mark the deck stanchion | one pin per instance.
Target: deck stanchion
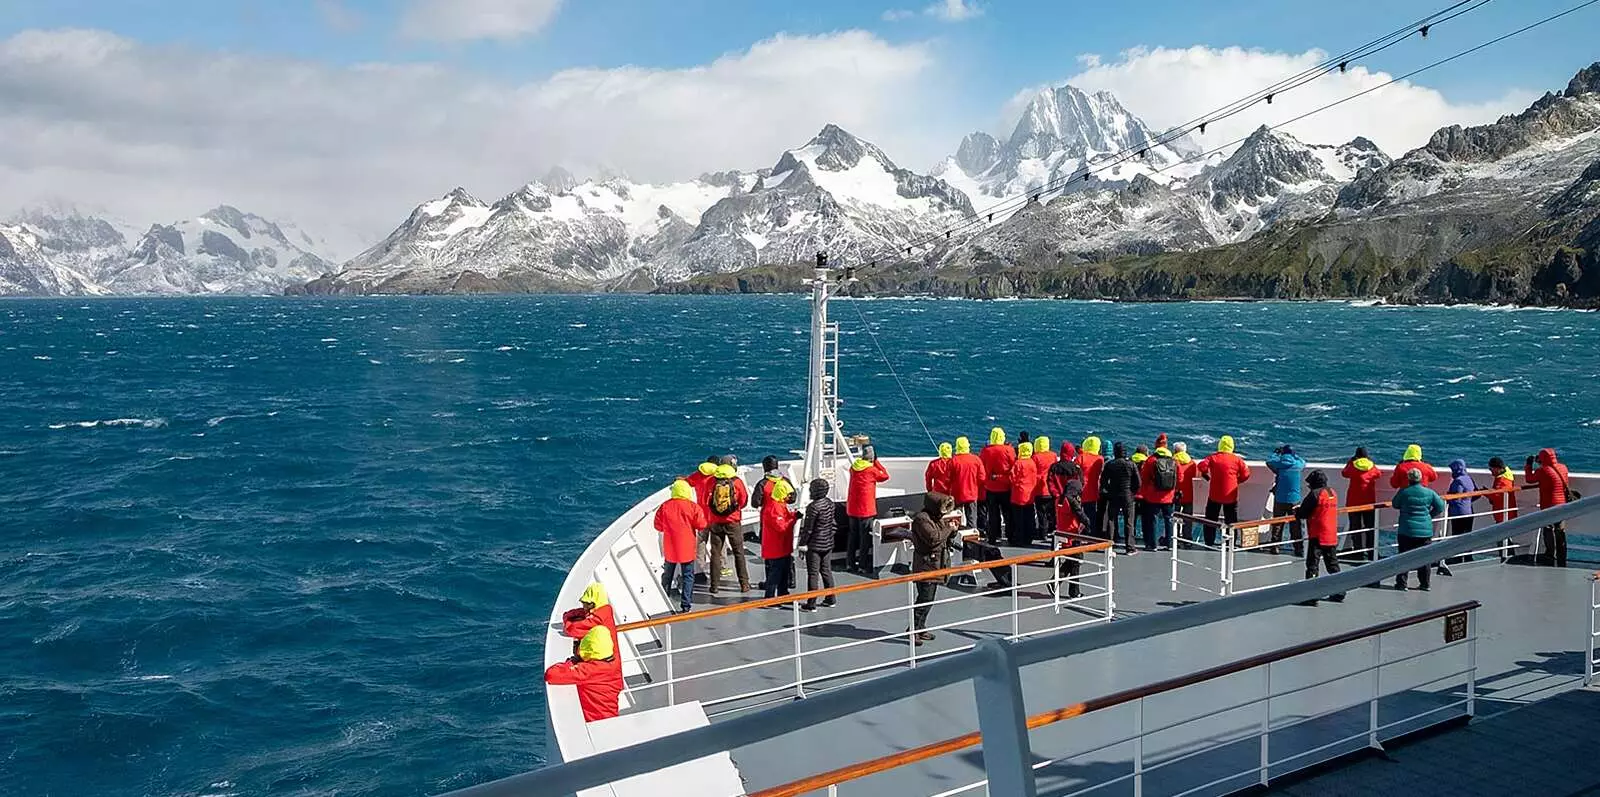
(1372, 705)
(1594, 604)
(1138, 753)
(1472, 663)
(1016, 617)
(1111, 593)
(1225, 561)
(1055, 576)
(911, 622)
(1266, 729)
(667, 638)
(1174, 563)
(799, 676)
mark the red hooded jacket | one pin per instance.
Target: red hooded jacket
(1504, 504)
(1091, 465)
(577, 622)
(1226, 471)
(679, 520)
(1187, 473)
(1551, 478)
(966, 478)
(701, 482)
(1398, 480)
(862, 498)
(741, 497)
(1321, 513)
(940, 475)
(1042, 460)
(777, 530)
(1363, 489)
(1024, 481)
(1147, 483)
(599, 684)
(997, 462)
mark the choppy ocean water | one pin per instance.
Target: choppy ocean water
(266, 546)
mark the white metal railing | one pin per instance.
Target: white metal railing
(1095, 604)
(1589, 663)
(1266, 766)
(993, 668)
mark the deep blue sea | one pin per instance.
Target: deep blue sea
(274, 546)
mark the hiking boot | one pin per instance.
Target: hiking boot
(925, 636)
(807, 607)
(829, 603)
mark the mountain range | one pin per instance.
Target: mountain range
(1274, 217)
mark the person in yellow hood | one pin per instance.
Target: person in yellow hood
(997, 461)
(936, 479)
(966, 482)
(1091, 463)
(594, 609)
(1044, 506)
(596, 670)
(1363, 476)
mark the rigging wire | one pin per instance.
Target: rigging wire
(903, 392)
(1335, 63)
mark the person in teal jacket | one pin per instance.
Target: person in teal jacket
(1288, 467)
(1417, 506)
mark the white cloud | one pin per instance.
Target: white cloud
(470, 20)
(336, 15)
(161, 133)
(945, 10)
(1167, 87)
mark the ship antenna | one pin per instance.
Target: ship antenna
(826, 443)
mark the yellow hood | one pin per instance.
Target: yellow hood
(1225, 445)
(707, 469)
(997, 436)
(597, 645)
(1041, 443)
(860, 464)
(1163, 452)
(1024, 450)
(1138, 457)
(595, 595)
(1091, 445)
(1413, 453)
(781, 491)
(1363, 464)
(1182, 458)
(963, 445)
(681, 489)
(1508, 474)
(726, 472)
(944, 450)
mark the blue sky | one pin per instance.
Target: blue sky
(353, 111)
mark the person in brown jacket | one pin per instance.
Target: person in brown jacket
(930, 551)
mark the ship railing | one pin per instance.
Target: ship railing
(993, 668)
(806, 670)
(1192, 559)
(1254, 723)
(1589, 663)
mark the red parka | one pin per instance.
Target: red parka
(1504, 504)
(940, 475)
(1320, 510)
(1187, 473)
(777, 530)
(599, 684)
(1024, 480)
(1363, 489)
(1147, 483)
(1042, 460)
(741, 497)
(997, 461)
(1551, 478)
(679, 520)
(966, 478)
(577, 622)
(1226, 471)
(862, 498)
(1091, 465)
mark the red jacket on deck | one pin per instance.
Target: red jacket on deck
(1322, 519)
(862, 498)
(940, 475)
(1399, 479)
(1042, 460)
(679, 520)
(1187, 473)
(1504, 504)
(966, 478)
(701, 482)
(1226, 471)
(741, 497)
(1091, 465)
(577, 622)
(1147, 483)
(997, 462)
(599, 684)
(1024, 481)
(1551, 478)
(777, 530)
(1363, 489)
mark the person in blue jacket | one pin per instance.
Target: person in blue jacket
(1460, 509)
(1418, 506)
(1288, 467)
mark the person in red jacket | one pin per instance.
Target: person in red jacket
(861, 507)
(1156, 471)
(1504, 503)
(1044, 509)
(941, 470)
(593, 611)
(1363, 475)
(724, 512)
(1225, 470)
(1552, 479)
(702, 478)
(966, 481)
(997, 461)
(1319, 510)
(1090, 462)
(596, 671)
(1024, 478)
(1410, 461)
(1188, 471)
(680, 521)
(777, 539)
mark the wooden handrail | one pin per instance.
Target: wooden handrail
(1345, 510)
(762, 603)
(862, 769)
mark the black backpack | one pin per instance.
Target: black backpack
(724, 500)
(1166, 473)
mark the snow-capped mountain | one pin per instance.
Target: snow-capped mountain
(1270, 179)
(225, 250)
(1061, 130)
(836, 193)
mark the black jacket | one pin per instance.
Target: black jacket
(930, 535)
(1119, 478)
(820, 525)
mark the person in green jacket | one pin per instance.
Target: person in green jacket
(1417, 505)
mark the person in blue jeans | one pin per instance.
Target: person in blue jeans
(1289, 468)
(1418, 506)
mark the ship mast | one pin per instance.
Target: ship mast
(825, 439)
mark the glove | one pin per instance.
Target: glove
(803, 548)
(574, 615)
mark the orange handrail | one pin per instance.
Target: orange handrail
(862, 769)
(762, 603)
(1344, 510)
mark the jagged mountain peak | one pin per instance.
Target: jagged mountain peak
(1587, 81)
(978, 153)
(833, 149)
(559, 179)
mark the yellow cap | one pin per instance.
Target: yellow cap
(1024, 450)
(997, 436)
(1225, 445)
(727, 472)
(1413, 453)
(595, 595)
(963, 445)
(1041, 443)
(1091, 445)
(944, 450)
(707, 468)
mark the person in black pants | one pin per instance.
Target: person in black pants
(818, 529)
(1364, 534)
(1119, 481)
(1216, 510)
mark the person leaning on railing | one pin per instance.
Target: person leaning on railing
(1554, 490)
(1417, 505)
(597, 672)
(1363, 475)
(930, 551)
(1225, 471)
